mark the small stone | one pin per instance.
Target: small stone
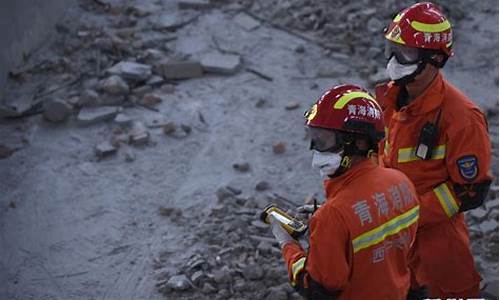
(261, 103)
(151, 99)
(279, 148)
(489, 226)
(166, 21)
(260, 225)
(246, 22)
(262, 186)
(131, 71)
(170, 211)
(115, 85)
(178, 283)
(139, 135)
(277, 293)
(224, 193)
(56, 111)
(221, 63)
(222, 275)
(157, 121)
(186, 128)
(171, 69)
(12, 204)
(122, 119)
(292, 105)
(243, 167)
(208, 288)
(94, 115)
(169, 128)
(155, 81)
(194, 4)
(265, 247)
(253, 272)
(374, 25)
(300, 49)
(129, 156)
(235, 191)
(112, 100)
(104, 149)
(89, 97)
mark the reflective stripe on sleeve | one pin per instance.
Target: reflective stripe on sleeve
(446, 199)
(389, 228)
(408, 154)
(297, 267)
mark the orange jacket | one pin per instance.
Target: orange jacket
(360, 238)
(461, 154)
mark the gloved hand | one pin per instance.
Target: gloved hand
(305, 211)
(281, 235)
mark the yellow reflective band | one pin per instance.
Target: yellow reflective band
(389, 228)
(408, 154)
(397, 18)
(423, 27)
(449, 44)
(353, 95)
(446, 199)
(387, 147)
(297, 267)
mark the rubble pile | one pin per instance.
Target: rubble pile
(242, 260)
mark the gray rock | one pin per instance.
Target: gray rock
(178, 283)
(488, 226)
(115, 85)
(129, 156)
(155, 81)
(242, 167)
(245, 21)
(6, 151)
(222, 275)
(166, 21)
(224, 193)
(111, 100)
(221, 63)
(194, 4)
(262, 186)
(123, 119)
(208, 288)
(89, 97)
(104, 149)
(151, 99)
(277, 293)
(198, 277)
(171, 69)
(253, 272)
(56, 110)
(374, 25)
(97, 114)
(260, 225)
(139, 135)
(131, 71)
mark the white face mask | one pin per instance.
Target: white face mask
(396, 71)
(327, 163)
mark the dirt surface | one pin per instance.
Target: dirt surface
(76, 225)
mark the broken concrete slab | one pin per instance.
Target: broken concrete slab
(166, 21)
(172, 69)
(139, 134)
(131, 71)
(93, 115)
(115, 85)
(158, 122)
(56, 110)
(155, 81)
(122, 119)
(246, 22)
(88, 97)
(221, 63)
(194, 4)
(105, 149)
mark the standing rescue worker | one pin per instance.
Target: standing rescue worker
(361, 236)
(439, 139)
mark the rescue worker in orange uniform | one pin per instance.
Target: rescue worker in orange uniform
(439, 139)
(361, 236)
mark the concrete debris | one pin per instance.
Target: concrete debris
(131, 71)
(93, 115)
(105, 149)
(279, 148)
(253, 272)
(172, 69)
(242, 167)
(139, 135)
(115, 85)
(178, 283)
(246, 22)
(56, 110)
(292, 105)
(155, 81)
(129, 156)
(172, 212)
(277, 293)
(167, 21)
(208, 288)
(194, 4)
(224, 193)
(6, 151)
(221, 63)
(169, 128)
(123, 119)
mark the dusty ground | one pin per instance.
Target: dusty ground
(76, 227)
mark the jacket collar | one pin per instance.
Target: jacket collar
(333, 186)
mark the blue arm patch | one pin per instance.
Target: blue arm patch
(468, 167)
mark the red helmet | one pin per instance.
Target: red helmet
(348, 108)
(422, 25)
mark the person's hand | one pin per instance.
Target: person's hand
(281, 235)
(305, 211)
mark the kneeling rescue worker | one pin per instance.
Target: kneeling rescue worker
(439, 139)
(361, 236)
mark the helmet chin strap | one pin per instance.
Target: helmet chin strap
(350, 149)
(411, 78)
